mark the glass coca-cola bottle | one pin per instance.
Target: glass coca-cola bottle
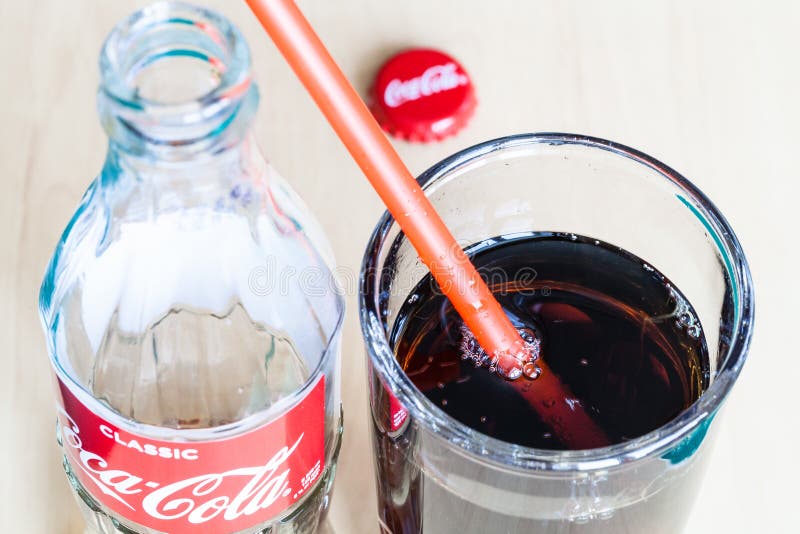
(190, 311)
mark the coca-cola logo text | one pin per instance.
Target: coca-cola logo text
(140, 479)
(264, 485)
(435, 79)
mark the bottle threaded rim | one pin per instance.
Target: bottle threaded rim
(173, 74)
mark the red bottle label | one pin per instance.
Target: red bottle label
(218, 486)
(397, 414)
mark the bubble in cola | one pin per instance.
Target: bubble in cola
(190, 310)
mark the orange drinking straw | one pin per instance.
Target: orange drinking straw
(412, 210)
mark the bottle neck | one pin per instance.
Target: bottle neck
(140, 189)
(175, 87)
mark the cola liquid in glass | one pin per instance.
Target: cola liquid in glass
(618, 333)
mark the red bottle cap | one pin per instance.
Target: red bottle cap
(422, 95)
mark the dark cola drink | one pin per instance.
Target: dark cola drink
(606, 324)
(618, 333)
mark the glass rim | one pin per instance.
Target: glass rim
(509, 455)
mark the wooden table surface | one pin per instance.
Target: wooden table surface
(709, 87)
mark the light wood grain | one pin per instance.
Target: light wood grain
(709, 87)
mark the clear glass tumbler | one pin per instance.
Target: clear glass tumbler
(436, 475)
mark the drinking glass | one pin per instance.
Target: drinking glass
(438, 476)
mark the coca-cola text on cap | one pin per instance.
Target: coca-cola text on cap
(422, 95)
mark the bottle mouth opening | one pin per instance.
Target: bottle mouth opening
(172, 64)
